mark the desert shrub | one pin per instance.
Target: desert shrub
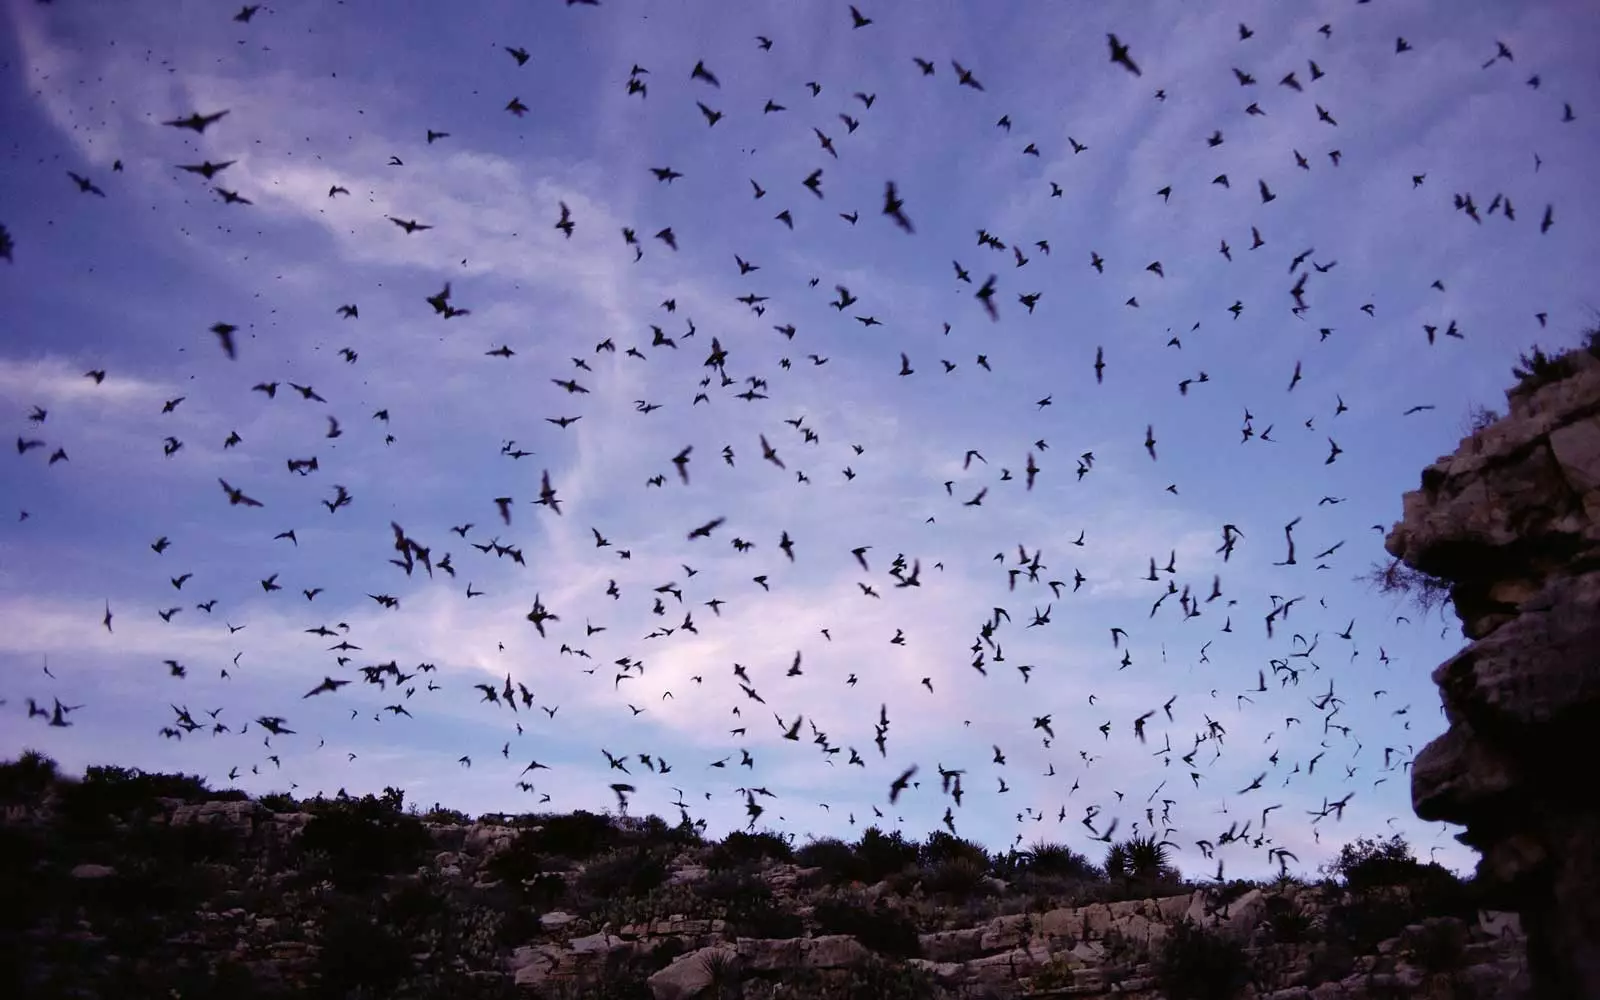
(656, 831)
(108, 792)
(884, 854)
(746, 901)
(1535, 368)
(958, 877)
(1141, 861)
(1198, 964)
(1329, 962)
(1285, 922)
(836, 859)
(1057, 974)
(880, 980)
(1363, 920)
(279, 802)
(880, 927)
(578, 835)
(723, 974)
(439, 814)
(941, 846)
(1424, 591)
(1481, 417)
(531, 874)
(26, 779)
(1436, 945)
(1058, 860)
(363, 839)
(1367, 863)
(622, 977)
(359, 956)
(631, 871)
(739, 848)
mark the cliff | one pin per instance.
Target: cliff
(129, 885)
(1512, 521)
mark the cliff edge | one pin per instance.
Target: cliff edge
(1511, 521)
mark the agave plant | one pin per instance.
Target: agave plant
(722, 974)
(1140, 859)
(1047, 858)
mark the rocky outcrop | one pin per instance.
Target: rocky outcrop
(1512, 521)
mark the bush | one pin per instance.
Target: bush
(1141, 861)
(836, 859)
(884, 854)
(739, 848)
(26, 779)
(1367, 863)
(363, 838)
(279, 802)
(578, 835)
(880, 928)
(107, 792)
(1425, 591)
(1436, 945)
(360, 956)
(442, 816)
(632, 871)
(1198, 964)
(941, 846)
(1058, 860)
(1285, 922)
(958, 877)
(746, 901)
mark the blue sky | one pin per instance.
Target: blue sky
(319, 96)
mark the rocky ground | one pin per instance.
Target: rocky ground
(129, 885)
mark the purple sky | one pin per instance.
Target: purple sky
(320, 96)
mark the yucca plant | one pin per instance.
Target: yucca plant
(722, 973)
(1140, 859)
(1045, 858)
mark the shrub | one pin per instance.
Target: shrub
(359, 956)
(1140, 860)
(578, 835)
(1366, 863)
(1285, 922)
(1059, 860)
(1436, 945)
(26, 779)
(941, 846)
(439, 814)
(1480, 418)
(1535, 368)
(1425, 591)
(836, 859)
(279, 802)
(723, 975)
(959, 877)
(1198, 964)
(747, 903)
(880, 980)
(880, 928)
(884, 854)
(632, 871)
(363, 838)
(108, 792)
(739, 848)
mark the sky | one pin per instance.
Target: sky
(872, 423)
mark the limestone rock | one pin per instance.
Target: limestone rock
(1512, 521)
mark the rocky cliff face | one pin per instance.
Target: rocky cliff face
(1512, 521)
(231, 899)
